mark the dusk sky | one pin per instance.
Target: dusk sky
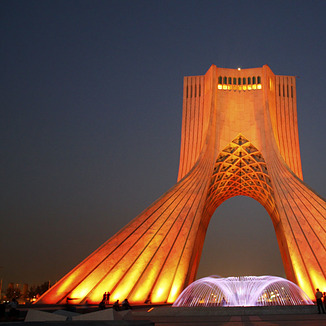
(91, 108)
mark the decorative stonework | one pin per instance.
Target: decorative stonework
(240, 169)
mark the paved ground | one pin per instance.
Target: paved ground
(266, 320)
(167, 316)
(267, 316)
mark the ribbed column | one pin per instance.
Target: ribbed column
(302, 220)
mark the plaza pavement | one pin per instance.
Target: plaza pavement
(233, 316)
(198, 316)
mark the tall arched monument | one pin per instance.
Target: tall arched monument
(239, 137)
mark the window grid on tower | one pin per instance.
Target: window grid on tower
(239, 83)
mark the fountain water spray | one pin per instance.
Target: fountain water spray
(242, 291)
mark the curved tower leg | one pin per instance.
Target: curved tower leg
(300, 230)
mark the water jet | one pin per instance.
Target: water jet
(242, 291)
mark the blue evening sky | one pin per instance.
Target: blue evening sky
(90, 125)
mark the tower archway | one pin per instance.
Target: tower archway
(240, 240)
(240, 169)
(239, 136)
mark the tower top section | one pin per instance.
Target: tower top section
(239, 71)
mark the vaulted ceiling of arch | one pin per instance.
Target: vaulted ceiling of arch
(240, 169)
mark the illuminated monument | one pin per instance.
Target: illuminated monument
(239, 137)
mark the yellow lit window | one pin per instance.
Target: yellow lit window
(225, 87)
(219, 86)
(259, 86)
(249, 87)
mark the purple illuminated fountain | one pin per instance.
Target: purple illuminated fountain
(242, 291)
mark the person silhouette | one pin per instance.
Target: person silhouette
(102, 305)
(125, 304)
(116, 305)
(319, 302)
(108, 297)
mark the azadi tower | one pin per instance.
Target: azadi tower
(239, 137)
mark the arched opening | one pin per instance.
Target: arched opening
(240, 240)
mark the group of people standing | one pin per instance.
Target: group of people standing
(116, 305)
(105, 300)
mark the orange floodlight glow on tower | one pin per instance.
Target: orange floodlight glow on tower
(239, 137)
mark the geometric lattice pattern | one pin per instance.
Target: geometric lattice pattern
(240, 169)
(239, 137)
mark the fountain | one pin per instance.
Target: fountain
(242, 291)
